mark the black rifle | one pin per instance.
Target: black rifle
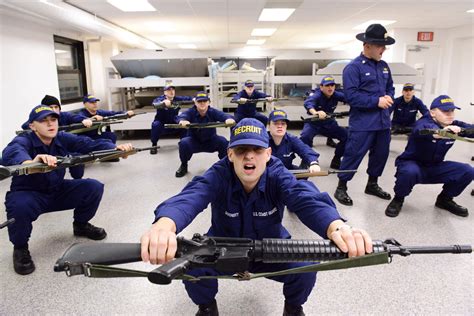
(257, 100)
(122, 116)
(174, 104)
(8, 222)
(66, 162)
(226, 254)
(444, 132)
(200, 125)
(304, 173)
(334, 115)
(76, 128)
(401, 130)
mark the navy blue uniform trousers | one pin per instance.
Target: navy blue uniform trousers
(158, 129)
(25, 207)
(189, 145)
(456, 176)
(259, 116)
(296, 287)
(358, 144)
(105, 135)
(332, 130)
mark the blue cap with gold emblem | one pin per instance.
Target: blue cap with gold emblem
(408, 86)
(168, 87)
(249, 132)
(249, 83)
(278, 115)
(201, 96)
(90, 98)
(39, 112)
(444, 103)
(327, 80)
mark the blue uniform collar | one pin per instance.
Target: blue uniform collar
(37, 143)
(283, 141)
(362, 56)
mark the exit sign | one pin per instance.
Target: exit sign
(425, 36)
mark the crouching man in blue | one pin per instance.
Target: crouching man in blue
(35, 194)
(201, 139)
(242, 187)
(321, 102)
(166, 115)
(249, 109)
(405, 109)
(284, 145)
(91, 111)
(423, 160)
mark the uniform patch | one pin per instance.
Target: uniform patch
(228, 214)
(264, 214)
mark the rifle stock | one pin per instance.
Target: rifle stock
(304, 173)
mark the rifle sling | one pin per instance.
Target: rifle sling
(456, 137)
(104, 271)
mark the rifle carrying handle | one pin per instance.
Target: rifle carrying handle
(169, 271)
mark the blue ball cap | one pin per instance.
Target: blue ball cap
(168, 87)
(90, 98)
(249, 83)
(39, 112)
(249, 132)
(408, 86)
(201, 96)
(278, 115)
(327, 80)
(444, 103)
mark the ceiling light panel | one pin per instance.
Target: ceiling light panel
(132, 5)
(276, 14)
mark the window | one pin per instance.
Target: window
(71, 69)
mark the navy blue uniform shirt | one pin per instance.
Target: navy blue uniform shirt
(405, 113)
(289, 146)
(255, 215)
(168, 115)
(249, 109)
(86, 114)
(321, 102)
(28, 146)
(426, 149)
(212, 115)
(365, 81)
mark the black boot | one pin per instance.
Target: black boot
(447, 203)
(341, 194)
(88, 230)
(208, 309)
(335, 163)
(331, 143)
(153, 151)
(182, 170)
(291, 310)
(394, 208)
(373, 188)
(22, 262)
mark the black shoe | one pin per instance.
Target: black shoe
(22, 262)
(448, 204)
(331, 143)
(335, 163)
(394, 208)
(153, 151)
(342, 196)
(182, 170)
(208, 309)
(290, 310)
(88, 230)
(373, 188)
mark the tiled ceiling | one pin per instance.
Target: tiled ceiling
(222, 24)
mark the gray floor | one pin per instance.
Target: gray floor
(423, 284)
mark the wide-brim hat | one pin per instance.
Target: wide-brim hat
(376, 34)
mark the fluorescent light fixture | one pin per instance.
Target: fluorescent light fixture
(470, 11)
(60, 51)
(263, 32)
(255, 41)
(276, 14)
(363, 26)
(132, 6)
(187, 46)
